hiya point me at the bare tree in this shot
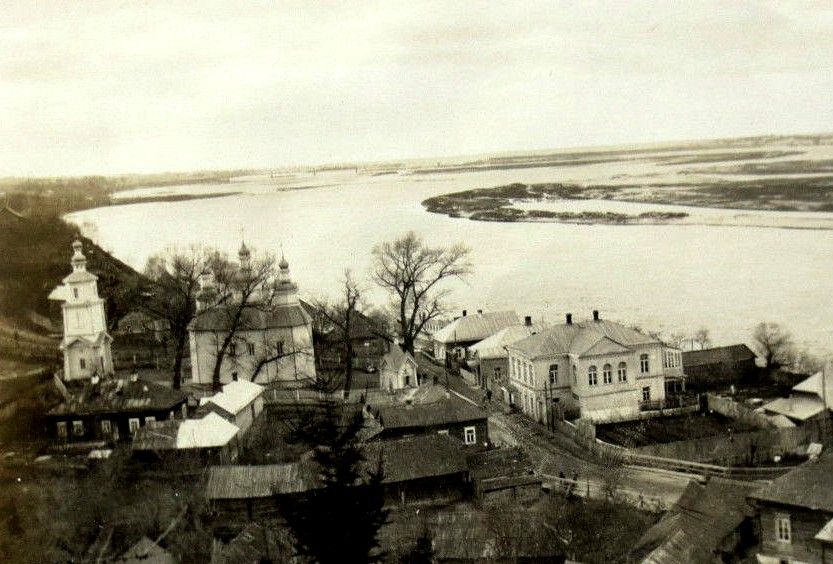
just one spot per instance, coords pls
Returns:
(412, 273)
(177, 274)
(702, 338)
(341, 316)
(773, 343)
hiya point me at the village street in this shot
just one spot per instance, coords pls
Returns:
(554, 453)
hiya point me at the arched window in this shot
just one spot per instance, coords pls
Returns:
(592, 376)
(644, 367)
(623, 372)
(553, 374)
(607, 374)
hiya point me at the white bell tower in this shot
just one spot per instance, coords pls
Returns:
(86, 344)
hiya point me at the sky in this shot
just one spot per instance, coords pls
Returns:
(106, 87)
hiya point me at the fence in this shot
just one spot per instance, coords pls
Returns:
(597, 490)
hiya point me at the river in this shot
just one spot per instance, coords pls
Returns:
(667, 278)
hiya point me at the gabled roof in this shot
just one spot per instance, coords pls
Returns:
(395, 358)
(236, 396)
(602, 346)
(578, 338)
(810, 486)
(119, 396)
(211, 431)
(80, 276)
(448, 411)
(493, 346)
(59, 293)
(475, 327)
(252, 318)
(799, 407)
(718, 355)
(100, 338)
(249, 482)
(696, 524)
(813, 385)
(413, 458)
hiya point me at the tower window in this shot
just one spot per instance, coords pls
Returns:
(75, 293)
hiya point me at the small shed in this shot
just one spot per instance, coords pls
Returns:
(397, 370)
(240, 403)
(211, 439)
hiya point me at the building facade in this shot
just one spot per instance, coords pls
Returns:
(599, 370)
(85, 343)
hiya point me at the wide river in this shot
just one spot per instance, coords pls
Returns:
(667, 278)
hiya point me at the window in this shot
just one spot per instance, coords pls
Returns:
(75, 293)
(133, 424)
(553, 374)
(278, 348)
(783, 530)
(470, 435)
(623, 372)
(62, 429)
(575, 377)
(150, 420)
(644, 367)
(232, 349)
(607, 374)
(592, 376)
(251, 347)
(83, 363)
(531, 374)
(407, 380)
(498, 374)
(78, 428)
(106, 428)
(646, 393)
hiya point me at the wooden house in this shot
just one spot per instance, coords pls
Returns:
(795, 515)
(451, 416)
(718, 367)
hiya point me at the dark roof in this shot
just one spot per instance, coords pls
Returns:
(119, 396)
(696, 524)
(718, 355)
(422, 456)
(362, 327)
(809, 486)
(450, 410)
(292, 315)
(248, 482)
(255, 543)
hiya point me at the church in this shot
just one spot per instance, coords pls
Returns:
(85, 343)
(272, 335)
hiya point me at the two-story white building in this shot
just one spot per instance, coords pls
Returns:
(602, 369)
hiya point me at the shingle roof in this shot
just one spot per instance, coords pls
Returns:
(209, 432)
(292, 315)
(578, 338)
(450, 410)
(694, 526)
(422, 456)
(235, 396)
(475, 327)
(119, 396)
(493, 347)
(809, 486)
(717, 355)
(248, 482)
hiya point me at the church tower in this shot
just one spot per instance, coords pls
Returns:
(86, 344)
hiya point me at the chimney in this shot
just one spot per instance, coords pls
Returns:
(479, 312)
(528, 321)
(569, 319)
(464, 313)
(595, 315)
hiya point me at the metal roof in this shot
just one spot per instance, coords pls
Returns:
(800, 407)
(211, 431)
(235, 397)
(579, 338)
(813, 385)
(475, 327)
(253, 317)
(494, 346)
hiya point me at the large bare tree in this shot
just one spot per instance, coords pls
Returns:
(177, 274)
(774, 344)
(340, 317)
(412, 273)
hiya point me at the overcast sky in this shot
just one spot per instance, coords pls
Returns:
(113, 86)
